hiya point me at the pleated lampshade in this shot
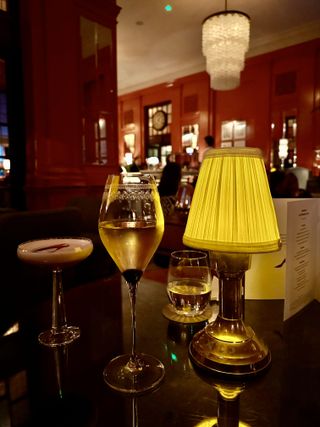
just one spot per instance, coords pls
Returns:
(232, 208)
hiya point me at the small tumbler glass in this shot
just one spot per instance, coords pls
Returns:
(189, 282)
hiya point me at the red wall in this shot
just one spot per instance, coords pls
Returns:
(54, 111)
(250, 102)
(266, 95)
(53, 101)
(190, 98)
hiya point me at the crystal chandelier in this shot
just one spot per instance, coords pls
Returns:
(225, 41)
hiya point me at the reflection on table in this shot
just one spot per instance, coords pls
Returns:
(65, 387)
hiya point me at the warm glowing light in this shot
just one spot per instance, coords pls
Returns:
(283, 148)
(128, 158)
(212, 422)
(6, 164)
(102, 123)
(294, 129)
(232, 209)
(152, 161)
(14, 328)
(225, 41)
(232, 214)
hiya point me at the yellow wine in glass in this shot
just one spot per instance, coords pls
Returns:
(131, 226)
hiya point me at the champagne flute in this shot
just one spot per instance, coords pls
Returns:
(56, 253)
(131, 226)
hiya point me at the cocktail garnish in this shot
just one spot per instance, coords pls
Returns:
(53, 247)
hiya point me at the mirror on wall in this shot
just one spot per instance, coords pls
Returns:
(96, 51)
(283, 149)
(283, 153)
(190, 136)
(290, 133)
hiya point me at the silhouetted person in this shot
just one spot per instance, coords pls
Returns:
(133, 167)
(209, 140)
(285, 185)
(168, 186)
(210, 143)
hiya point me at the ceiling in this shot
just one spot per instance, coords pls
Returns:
(155, 46)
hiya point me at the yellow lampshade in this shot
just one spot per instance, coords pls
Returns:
(232, 209)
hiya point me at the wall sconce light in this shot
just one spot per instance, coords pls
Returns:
(283, 150)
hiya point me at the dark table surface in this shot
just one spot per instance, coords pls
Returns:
(45, 387)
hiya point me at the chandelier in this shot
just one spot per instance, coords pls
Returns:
(225, 41)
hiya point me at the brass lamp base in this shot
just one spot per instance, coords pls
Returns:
(227, 345)
(247, 357)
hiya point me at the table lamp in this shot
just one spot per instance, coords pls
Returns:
(232, 214)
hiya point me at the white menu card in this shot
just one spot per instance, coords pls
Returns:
(293, 273)
(302, 246)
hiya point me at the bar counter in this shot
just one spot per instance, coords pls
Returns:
(64, 387)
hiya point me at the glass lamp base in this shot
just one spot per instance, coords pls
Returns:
(246, 357)
(123, 376)
(52, 338)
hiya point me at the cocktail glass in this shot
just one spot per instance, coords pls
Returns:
(56, 254)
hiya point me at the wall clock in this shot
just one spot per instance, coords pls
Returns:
(159, 120)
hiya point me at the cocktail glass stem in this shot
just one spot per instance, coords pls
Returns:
(61, 362)
(60, 333)
(59, 318)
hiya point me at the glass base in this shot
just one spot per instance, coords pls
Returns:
(123, 376)
(67, 335)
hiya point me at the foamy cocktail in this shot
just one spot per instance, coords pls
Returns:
(56, 253)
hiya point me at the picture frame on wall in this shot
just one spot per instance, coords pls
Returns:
(226, 144)
(240, 130)
(239, 143)
(227, 131)
(233, 133)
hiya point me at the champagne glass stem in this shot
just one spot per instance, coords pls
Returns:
(132, 294)
(59, 318)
